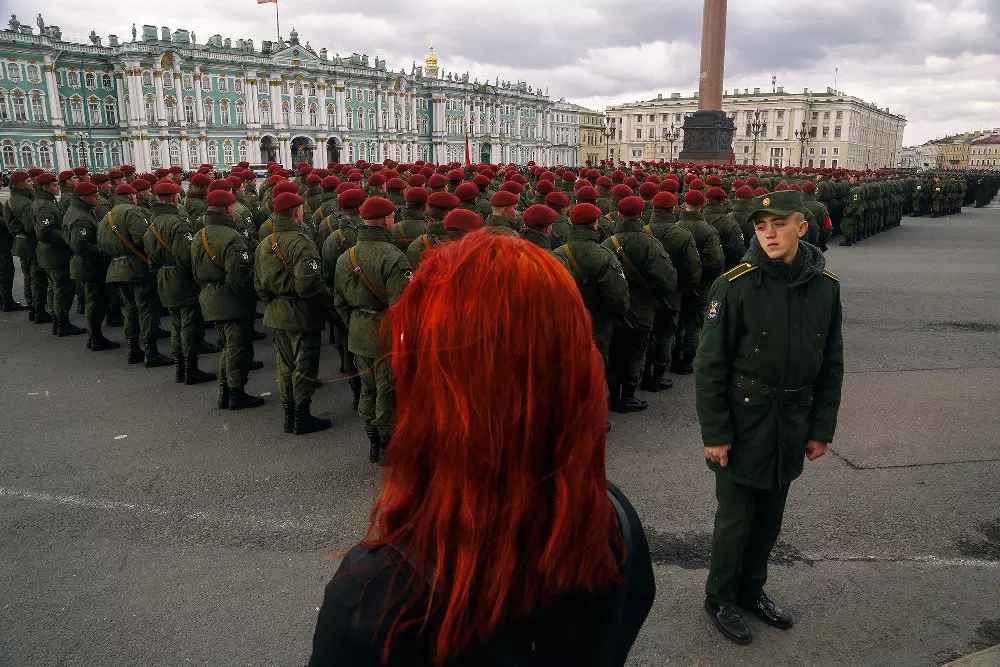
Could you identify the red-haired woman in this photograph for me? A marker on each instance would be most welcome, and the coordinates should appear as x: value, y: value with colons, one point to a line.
x: 497, y: 539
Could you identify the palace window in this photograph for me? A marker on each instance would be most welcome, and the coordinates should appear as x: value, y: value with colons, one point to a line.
x: 312, y: 89
x: 286, y: 113
x: 837, y: 132
x: 175, y: 153
x: 313, y: 115
x: 147, y: 79
x: 209, y: 112
x: 150, y: 110
x: 238, y: 86
x: 76, y: 106
x: 223, y: 84
x: 206, y: 83
x: 94, y: 109
x: 224, y: 113
x: 189, y: 110
x: 37, y: 109
x: 265, y: 113
x: 155, y: 160
x: 99, y: 155
x: 83, y: 154
x: 331, y: 116
x: 300, y: 112
x: 244, y: 151
x: 45, y: 156
x: 350, y: 118
x: 227, y: 153
x: 9, y: 156
x: 89, y: 79
x: 187, y: 80
x: 171, y: 106
x: 72, y: 77
x: 34, y: 74
x: 213, y: 152
x: 14, y: 74
x: 241, y: 114
x: 168, y: 80
x: 27, y: 156
x: 193, y: 152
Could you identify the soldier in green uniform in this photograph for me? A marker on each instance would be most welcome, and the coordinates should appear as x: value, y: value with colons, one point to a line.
x: 7, y: 239
x: 67, y: 182
x: 54, y: 253
x: 854, y: 213
x: 538, y: 221
x: 194, y: 201
x: 695, y: 301
x: 120, y: 234
x: 222, y: 265
x: 369, y: 278
x: 718, y: 215
x: 439, y: 204
x: 819, y: 211
x: 652, y: 281
x: 597, y: 273
x: 559, y: 203
x: 89, y: 266
x: 21, y: 225
x: 768, y: 380
x: 412, y: 222
x: 289, y: 279
x: 394, y: 188
x: 168, y: 245
x: 741, y: 212
x: 503, y: 211
x: 683, y: 252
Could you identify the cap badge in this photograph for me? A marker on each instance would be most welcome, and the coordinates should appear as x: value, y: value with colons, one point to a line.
x: 766, y: 202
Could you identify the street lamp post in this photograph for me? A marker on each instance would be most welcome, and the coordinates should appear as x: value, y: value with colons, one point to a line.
x: 608, y: 131
x: 802, y: 135
x: 757, y: 127
x: 672, y: 135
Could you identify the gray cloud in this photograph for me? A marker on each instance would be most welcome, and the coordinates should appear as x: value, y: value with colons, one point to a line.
x: 934, y: 62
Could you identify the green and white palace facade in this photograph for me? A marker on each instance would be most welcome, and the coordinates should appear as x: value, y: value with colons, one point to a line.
x: 162, y: 99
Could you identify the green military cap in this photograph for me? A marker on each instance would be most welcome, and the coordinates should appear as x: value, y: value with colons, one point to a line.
x: 780, y: 202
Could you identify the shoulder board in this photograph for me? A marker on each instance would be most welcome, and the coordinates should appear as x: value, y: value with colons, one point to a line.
x: 740, y: 270
x: 834, y: 276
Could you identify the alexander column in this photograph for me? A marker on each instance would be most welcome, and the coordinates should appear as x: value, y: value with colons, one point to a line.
x: 708, y: 132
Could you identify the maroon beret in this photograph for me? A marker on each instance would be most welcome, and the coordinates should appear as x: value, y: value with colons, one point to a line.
x: 161, y: 172
x: 584, y: 214
x: 504, y: 198
x: 416, y: 196
x: 753, y: 181
x: 621, y: 191
x: 330, y: 183
x: 304, y: 168
x: 19, y: 176
x: 455, y: 175
x: 760, y: 191
x: 744, y: 192
x: 697, y: 184
x: 648, y: 189
x: 669, y: 185
x: 558, y: 199
x: 66, y: 175
x: 80, y: 171
x: 99, y: 178
x: 568, y: 176
x: 222, y: 184
x: 739, y: 183
x: 175, y: 170
x: 416, y: 181
x: 481, y: 181
x: 538, y: 216
x: 632, y: 182
x: 694, y: 198
x: 437, y: 181
x: 463, y: 220
x: 313, y: 179
x: 283, y: 187
x: 467, y: 191
x: 286, y: 201
x: 351, y: 199
x: 166, y: 188
x: 665, y: 200
x: 809, y: 186
x: 631, y: 206
x: 124, y: 189
x: 45, y: 177
x: 128, y: 169
x: 716, y: 193
x: 376, y: 180
x: 395, y: 184
x: 587, y: 193
x: 618, y: 176
x: 200, y: 180
x: 115, y: 173
x: 220, y: 198
x: 605, y: 182
x: 376, y: 208
x: 85, y: 189
x: 345, y: 186
x: 545, y: 187
x: 444, y: 200
x: 713, y: 180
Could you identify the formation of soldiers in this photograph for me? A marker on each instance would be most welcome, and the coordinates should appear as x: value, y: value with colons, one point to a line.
x: 334, y: 248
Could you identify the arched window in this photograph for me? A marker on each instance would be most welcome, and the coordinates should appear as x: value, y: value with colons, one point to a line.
x: 175, y: 153
x: 45, y: 156
x: 300, y: 108
x: 154, y: 154
x: 116, y: 155
x: 313, y: 115
x: 286, y: 113
x: 350, y: 118
x: 371, y: 120
x: 312, y: 89
x: 20, y: 108
x: 331, y: 116
x: 171, y: 106
x: 227, y: 153
x: 94, y: 110
x: 224, y: 113
x: 9, y: 156
x: 241, y: 113
x: 213, y: 152
x: 27, y: 156
x: 385, y: 119
x: 4, y: 111
x: 106, y: 81
x: 150, y: 109
x: 147, y: 79
x: 361, y: 120
x: 193, y: 152
x: 83, y: 154
x: 238, y: 85
x: 37, y: 108
x: 209, y: 112
x: 265, y: 113
x: 89, y: 79
x: 361, y: 95
x: 111, y: 111
x: 99, y: 155
x: 73, y: 78
x: 189, y: 116
x: 244, y: 149
x: 298, y: 88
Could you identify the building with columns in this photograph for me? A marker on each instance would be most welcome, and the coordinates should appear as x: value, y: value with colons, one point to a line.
x: 593, y: 142
x: 776, y: 128
x: 164, y: 99
x: 566, y: 134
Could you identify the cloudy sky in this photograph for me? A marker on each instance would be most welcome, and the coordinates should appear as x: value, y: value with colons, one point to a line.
x: 938, y: 63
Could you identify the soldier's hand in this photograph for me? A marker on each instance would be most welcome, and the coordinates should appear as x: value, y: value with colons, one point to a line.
x: 815, y: 449
x: 719, y: 453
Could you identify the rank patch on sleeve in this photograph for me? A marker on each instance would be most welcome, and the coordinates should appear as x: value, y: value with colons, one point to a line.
x: 713, y: 310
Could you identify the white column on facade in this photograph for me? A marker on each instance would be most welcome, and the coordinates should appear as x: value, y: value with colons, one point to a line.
x: 164, y: 150
x: 55, y: 113
x: 202, y: 149
x: 517, y: 130
x: 468, y: 120
x: 319, y: 155
x: 340, y: 99
x: 161, y: 106
x: 185, y: 160
x: 413, y: 113
x: 179, y: 94
x: 199, y: 107
x: 392, y: 112
x: 285, y: 151
x: 277, y: 118
x: 252, y: 100
x: 323, y: 119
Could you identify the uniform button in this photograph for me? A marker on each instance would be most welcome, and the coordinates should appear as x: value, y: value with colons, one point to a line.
x: 746, y: 400
x: 757, y: 350
x: 764, y: 334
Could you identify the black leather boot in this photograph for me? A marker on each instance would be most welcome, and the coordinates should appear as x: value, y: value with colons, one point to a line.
x: 355, y: 385
x: 178, y: 367
x: 193, y: 374
x: 646, y: 383
x: 67, y: 328
x: 289, y: 409
x: 42, y: 316
x: 376, y: 444
x: 31, y: 314
x: 768, y: 611
x: 98, y: 343
x: 134, y: 351
x: 223, y: 397
x: 660, y: 381
x: 305, y: 422
x: 628, y: 402
x: 153, y: 358
x: 728, y: 621
x: 55, y: 327
x: 9, y: 305
x: 239, y: 399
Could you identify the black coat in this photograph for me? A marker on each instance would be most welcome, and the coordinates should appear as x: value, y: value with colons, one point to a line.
x: 351, y: 632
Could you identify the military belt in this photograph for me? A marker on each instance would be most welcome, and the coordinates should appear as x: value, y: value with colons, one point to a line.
x: 120, y: 257
x: 749, y: 384
x: 168, y: 266
x: 20, y: 236
x: 369, y: 311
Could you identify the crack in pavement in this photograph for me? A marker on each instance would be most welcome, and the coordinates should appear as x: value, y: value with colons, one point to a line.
x: 854, y: 466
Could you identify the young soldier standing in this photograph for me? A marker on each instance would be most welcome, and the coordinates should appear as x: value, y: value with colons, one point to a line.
x: 768, y: 377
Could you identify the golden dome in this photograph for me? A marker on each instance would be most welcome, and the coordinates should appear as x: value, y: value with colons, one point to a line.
x: 431, y: 60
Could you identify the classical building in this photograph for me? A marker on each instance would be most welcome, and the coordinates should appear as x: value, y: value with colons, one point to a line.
x: 984, y: 152
x: 909, y: 157
x: 566, y: 134
x: 593, y: 142
x: 778, y: 128
x: 162, y: 99
x: 953, y: 151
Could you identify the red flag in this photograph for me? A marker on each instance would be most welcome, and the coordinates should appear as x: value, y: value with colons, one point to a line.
x: 468, y: 155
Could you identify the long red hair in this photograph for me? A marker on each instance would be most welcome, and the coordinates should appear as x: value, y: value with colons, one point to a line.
x: 496, y: 488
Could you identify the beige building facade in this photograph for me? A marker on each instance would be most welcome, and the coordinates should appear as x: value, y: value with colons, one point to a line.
x: 593, y: 143
x: 776, y: 128
x: 984, y: 153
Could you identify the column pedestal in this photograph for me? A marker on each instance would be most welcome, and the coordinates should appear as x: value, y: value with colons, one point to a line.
x: 708, y: 137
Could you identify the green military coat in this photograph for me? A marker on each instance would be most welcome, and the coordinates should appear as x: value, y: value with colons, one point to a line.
x: 168, y: 246
x: 21, y: 222
x: 386, y: 268
x: 599, y: 275
x: 132, y: 223
x: 434, y: 234
x: 538, y: 238
x: 194, y: 204
x: 52, y: 251
x: 652, y: 278
x: 709, y: 247
x: 730, y: 234
x: 779, y: 325
x: 297, y: 298
x: 412, y: 225
x: 222, y: 265
x: 681, y: 249
x: 741, y: 214
x: 80, y: 228
x: 340, y: 241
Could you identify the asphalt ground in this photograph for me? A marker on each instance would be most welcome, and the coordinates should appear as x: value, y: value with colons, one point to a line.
x: 141, y: 525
